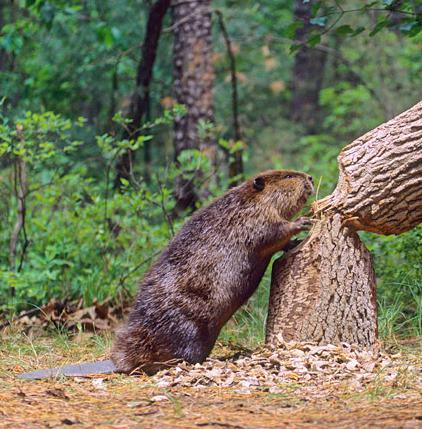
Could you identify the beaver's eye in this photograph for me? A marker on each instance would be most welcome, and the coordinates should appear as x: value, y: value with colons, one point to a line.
x: 259, y: 183
x: 288, y: 176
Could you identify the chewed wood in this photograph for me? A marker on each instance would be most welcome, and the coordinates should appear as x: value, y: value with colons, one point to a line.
x: 380, y: 182
x: 324, y: 290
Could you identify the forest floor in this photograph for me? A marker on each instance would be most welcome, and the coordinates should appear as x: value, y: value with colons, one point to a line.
x: 301, y: 386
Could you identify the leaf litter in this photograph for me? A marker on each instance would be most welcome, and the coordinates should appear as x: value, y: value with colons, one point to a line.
x: 73, y: 315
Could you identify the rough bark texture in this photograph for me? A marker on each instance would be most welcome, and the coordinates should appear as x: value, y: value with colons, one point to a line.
x: 308, y: 73
x: 380, y: 182
x: 193, y: 84
x: 324, y: 290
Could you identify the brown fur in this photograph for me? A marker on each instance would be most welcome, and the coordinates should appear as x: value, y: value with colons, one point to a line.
x: 209, y: 269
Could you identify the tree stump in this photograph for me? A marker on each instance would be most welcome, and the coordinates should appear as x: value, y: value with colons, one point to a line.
x: 324, y: 289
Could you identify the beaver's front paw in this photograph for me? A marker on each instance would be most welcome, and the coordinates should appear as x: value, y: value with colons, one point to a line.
x: 303, y: 223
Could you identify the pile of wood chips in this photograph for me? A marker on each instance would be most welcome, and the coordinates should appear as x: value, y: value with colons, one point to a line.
x: 302, y: 364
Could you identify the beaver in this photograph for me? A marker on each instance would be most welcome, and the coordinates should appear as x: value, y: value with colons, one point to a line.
x: 208, y: 270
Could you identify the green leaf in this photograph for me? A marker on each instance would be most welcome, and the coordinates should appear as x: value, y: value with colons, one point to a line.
x: 411, y: 27
x: 105, y: 35
x: 344, y: 30
x: 124, y: 182
x: 315, y: 8
x: 358, y: 31
x: 314, y: 40
x: 290, y: 30
x: 380, y: 25
x: 294, y: 48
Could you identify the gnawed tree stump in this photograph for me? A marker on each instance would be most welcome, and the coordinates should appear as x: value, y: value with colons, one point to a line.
x: 324, y: 289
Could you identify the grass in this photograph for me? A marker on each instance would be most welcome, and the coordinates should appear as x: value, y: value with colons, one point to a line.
x: 247, y: 326
x: 400, y: 311
x: 48, y: 349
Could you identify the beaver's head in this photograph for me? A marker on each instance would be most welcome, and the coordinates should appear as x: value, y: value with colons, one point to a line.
x: 284, y: 191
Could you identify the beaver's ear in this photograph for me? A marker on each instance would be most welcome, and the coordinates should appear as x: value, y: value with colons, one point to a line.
x: 259, y: 183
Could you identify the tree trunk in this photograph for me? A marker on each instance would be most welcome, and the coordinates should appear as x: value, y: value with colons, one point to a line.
x: 21, y: 192
x: 308, y: 73
x: 235, y: 161
x: 324, y: 289
x: 193, y: 86
x: 3, y: 53
x: 140, y: 99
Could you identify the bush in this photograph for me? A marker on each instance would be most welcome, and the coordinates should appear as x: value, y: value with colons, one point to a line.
x: 79, y: 237
x: 398, y: 265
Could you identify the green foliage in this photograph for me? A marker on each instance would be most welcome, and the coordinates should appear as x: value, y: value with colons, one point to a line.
x: 398, y: 266
x: 84, y: 240
x: 326, y: 16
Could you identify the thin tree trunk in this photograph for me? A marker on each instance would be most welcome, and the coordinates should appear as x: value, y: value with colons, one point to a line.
x: 21, y: 192
x: 235, y: 160
x: 193, y: 86
x: 308, y: 73
x: 140, y: 99
x: 324, y: 290
x: 112, y: 103
x: 3, y: 53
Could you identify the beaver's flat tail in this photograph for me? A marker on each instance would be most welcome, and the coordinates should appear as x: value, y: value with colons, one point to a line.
x: 76, y: 370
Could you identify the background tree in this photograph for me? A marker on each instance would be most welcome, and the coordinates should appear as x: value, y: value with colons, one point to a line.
x: 140, y: 100
x: 308, y: 71
x: 235, y: 159
x: 193, y: 87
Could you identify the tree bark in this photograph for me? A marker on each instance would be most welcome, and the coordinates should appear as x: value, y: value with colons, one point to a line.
x: 308, y: 73
x: 193, y: 86
x: 140, y: 99
x: 324, y: 289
